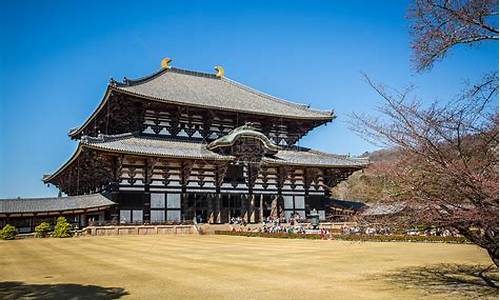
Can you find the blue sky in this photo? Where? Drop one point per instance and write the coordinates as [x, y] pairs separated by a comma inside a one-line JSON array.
[[57, 57]]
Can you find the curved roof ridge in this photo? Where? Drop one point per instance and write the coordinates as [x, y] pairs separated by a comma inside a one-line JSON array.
[[48, 177], [50, 198], [327, 153], [129, 82], [347, 156], [245, 131], [249, 89], [101, 138], [167, 138], [194, 73], [74, 131], [144, 79]]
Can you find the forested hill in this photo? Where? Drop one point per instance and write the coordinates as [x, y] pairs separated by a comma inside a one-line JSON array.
[[371, 184]]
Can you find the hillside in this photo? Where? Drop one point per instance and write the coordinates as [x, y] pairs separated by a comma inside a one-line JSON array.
[[369, 185]]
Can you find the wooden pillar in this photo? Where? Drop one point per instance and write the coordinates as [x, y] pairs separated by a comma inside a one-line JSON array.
[[281, 207], [306, 191], [220, 170], [283, 173], [218, 208], [274, 207], [245, 207], [185, 171], [261, 212], [210, 205], [147, 195], [252, 208], [115, 190], [33, 222], [184, 207]]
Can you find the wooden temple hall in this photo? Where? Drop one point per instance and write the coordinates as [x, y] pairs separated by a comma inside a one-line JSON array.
[[180, 144]]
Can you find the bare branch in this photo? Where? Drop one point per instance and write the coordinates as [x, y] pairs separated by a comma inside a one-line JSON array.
[[440, 25], [446, 169]]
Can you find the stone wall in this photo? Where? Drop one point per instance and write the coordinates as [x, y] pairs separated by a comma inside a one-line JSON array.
[[139, 230]]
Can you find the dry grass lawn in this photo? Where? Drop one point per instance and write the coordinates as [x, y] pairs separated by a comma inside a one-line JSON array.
[[225, 267]]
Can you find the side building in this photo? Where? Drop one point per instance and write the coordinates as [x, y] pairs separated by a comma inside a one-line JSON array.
[[178, 145]]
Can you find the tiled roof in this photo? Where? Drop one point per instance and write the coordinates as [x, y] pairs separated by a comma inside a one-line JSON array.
[[30, 205], [207, 90], [143, 145], [133, 144], [310, 157], [354, 205]]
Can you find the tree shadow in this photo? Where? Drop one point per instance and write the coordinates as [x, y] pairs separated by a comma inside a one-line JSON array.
[[467, 281], [20, 290]]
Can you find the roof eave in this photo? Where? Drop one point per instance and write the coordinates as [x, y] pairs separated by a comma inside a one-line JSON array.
[[48, 178], [73, 133], [326, 116], [288, 163]]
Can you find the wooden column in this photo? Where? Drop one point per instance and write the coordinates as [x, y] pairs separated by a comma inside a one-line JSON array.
[[245, 207], [252, 208], [261, 212], [253, 173], [149, 165], [184, 206], [283, 173], [33, 223], [220, 171], [115, 190], [218, 208], [274, 207], [281, 207], [185, 172], [307, 184], [211, 216]]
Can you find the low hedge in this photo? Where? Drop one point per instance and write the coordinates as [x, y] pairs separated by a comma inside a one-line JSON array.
[[403, 238], [8, 232], [62, 228], [353, 237], [42, 230], [281, 235]]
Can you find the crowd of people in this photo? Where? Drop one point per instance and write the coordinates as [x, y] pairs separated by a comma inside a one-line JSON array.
[[273, 225], [296, 224], [386, 230], [237, 220]]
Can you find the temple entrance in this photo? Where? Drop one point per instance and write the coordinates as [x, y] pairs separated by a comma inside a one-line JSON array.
[[197, 206], [231, 206], [222, 208], [263, 206]]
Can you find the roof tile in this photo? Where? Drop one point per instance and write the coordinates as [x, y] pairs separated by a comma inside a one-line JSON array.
[[53, 204], [207, 90]]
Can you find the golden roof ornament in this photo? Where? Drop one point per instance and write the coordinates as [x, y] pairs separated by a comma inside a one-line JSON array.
[[165, 63], [220, 71]]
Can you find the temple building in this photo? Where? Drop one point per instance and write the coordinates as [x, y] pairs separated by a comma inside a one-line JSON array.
[[179, 144]]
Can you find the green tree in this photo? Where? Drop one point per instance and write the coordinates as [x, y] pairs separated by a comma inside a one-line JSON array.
[[42, 230], [62, 229], [8, 232]]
